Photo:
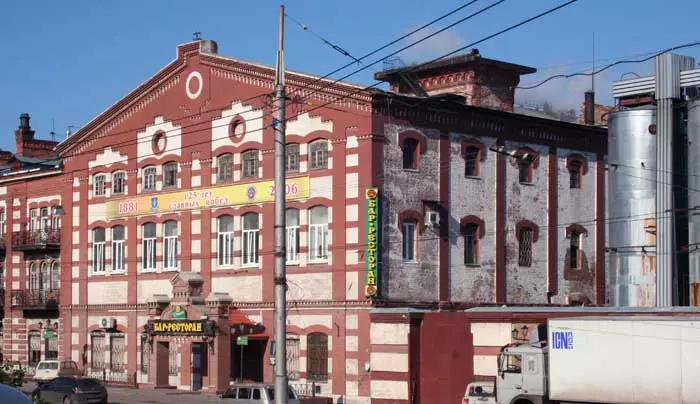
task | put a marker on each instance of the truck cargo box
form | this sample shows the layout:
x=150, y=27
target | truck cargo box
x=625, y=359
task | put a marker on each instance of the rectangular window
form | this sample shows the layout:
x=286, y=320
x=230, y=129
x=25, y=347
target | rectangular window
x=293, y=244
x=575, y=250
x=2, y=222
x=170, y=250
x=118, y=183
x=145, y=355
x=471, y=162
x=149, y=253
x=250, y=164
x=317, y=357
x=293, y=350
x=470, y=246
x=34, y=349
x=118, y=252
x=525, y=247
x=98, y=256
x=224, y=168
x=410, y=154
x=225, y=248
x=318, y=242
x=292, y=152
x=524, y=171
x=172, y=359
x=149, y=179
x=99, y=185
x=116, y=353
x=97, y=351
x=170, y=175
x=318, y=154
x=250, y=247
x=409, y=241
x=575, y=175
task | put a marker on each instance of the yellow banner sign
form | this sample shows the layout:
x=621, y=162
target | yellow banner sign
x=206, y=198
x=177, y=327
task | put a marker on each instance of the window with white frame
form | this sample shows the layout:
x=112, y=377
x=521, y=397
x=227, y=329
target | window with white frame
x=46, y=276
x=250, y=164
x=224, y=168
x=148, y=244
x=318, y=154
x=225, y=251
x=409, y=240
x=98, y=250
x=148, y=180
x=170, y=244
x=98, y=185
x=251, y=234
x=55, y=222
x=55, y=276
x=292, y=221
x=118, y=183
x=170, y=175
x=318, y=233
x=2, y=222
x=34, y=279
x=292, y=156
x=118, y=249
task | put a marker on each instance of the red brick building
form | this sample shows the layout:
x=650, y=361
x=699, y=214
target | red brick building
x=151, y=248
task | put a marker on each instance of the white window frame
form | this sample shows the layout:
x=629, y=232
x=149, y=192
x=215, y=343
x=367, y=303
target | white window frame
x=250, y=241
x=250, y=166
x=118, y=251
x=318, y=238
x=225, y=243
x=148, y=250
x=170, y=169
x=170, y=253
x=318, y=154
x=98, y=185
x=148, y=178
x=292, y=234
x=408, y=237
x=98, y=252
x=224, y=168
x=119, y=179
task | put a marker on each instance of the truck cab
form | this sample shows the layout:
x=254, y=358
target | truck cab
x=522, y=374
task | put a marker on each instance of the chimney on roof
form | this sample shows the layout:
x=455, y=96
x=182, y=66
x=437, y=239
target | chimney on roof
x=27, y=146
x=208, y=46
x=24, y=121
x=589, y=108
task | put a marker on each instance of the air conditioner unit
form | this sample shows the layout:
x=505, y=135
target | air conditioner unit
x=432, y=218
x=108, y=322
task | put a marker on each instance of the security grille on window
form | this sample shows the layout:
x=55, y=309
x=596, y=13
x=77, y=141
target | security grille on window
x=148, y=255
x=118, y=183
x=292, y=221
x=250, y=164
x=98, y=250
x=225, y=251
x=224, y=168
x=292, y=153
x=99, y=185
x=250, y=238
x=145, y=356
x=116, y=353
x=34, y=348
x=97, y=351
x=149, y=179
x=318, y=154
x=409, y=241
x=51, y=348
x=525, y=247
x=318, y=233
x=170, y=244
x=293, y=349
x=118, y=249
x=173, y=349
x=170, y=175
x=317, y=361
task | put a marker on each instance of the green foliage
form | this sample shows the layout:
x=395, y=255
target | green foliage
x=42, y=400
x=11, y=376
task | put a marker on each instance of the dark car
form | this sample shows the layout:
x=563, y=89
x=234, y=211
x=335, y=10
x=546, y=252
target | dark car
x=71, y=390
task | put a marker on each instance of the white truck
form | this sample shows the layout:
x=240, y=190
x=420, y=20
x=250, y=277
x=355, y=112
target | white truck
x=614, y=360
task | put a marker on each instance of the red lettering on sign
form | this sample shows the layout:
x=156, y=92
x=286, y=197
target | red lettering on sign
x=291, y=188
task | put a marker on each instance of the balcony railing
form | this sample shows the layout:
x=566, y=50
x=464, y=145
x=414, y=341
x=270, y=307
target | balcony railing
x=35, y=299
x=36, y=240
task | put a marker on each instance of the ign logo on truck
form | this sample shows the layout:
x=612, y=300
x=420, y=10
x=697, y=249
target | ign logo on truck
x=563, y=340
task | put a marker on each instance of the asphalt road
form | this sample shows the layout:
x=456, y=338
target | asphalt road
x=123, y=395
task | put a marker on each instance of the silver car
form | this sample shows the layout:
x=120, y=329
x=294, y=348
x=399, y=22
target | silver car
x=254, y=393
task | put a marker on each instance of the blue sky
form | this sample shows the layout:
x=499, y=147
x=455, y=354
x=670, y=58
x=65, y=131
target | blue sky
x=67, y=61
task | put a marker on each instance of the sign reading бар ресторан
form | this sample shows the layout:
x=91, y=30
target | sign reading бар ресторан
x=178, y=327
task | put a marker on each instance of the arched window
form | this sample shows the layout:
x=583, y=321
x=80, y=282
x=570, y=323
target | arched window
x=250, y=164
x=98, y=250
x=118, y=183
x=224, y=168
x=292, y=221
x=170, y=244
x=170, y=175
x=575, y=250
x=292, y=153
x=148, y=179
x=408, y=229
x=148, y=245
x=525, y=170
x=318, y=233
x=317, y=357
x=525, y=238
x=225, y=229
x=34, y=278
x=318, y=154
x=575, y=174
x=98, y=185
x=251, y=235
x=45, y=276
x=472, y=160
x=471, y=244
x=118, y=249
x=411, y=154
x=55, y=276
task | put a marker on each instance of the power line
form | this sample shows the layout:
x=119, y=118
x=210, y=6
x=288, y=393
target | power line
x=333, y=46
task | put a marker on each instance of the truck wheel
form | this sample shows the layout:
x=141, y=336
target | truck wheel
x=523, y=402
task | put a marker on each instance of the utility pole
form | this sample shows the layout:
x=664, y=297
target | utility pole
x=280, y=226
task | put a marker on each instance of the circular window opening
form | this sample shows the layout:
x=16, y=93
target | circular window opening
x=237, y=128
x=652, y=129
x=159, y=142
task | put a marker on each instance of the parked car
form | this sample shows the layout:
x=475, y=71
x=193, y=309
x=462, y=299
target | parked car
x=51, y=369
x=71, y=390
x=255, y=393
x=480, y=393
x=10, y=395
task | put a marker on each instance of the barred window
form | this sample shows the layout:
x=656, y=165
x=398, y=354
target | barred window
x=51, y=348
x=317, y=361
x=409, y=240
x=293, y=349
x=116, y=353
x=318, y=154
x=292, y=153
x=34, y=348
x=145, y=355
x=172, y=359
x=525, y=247
x=224, y=168
x=97, y=351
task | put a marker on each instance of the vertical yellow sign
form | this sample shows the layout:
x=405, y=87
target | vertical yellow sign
x=372, y=242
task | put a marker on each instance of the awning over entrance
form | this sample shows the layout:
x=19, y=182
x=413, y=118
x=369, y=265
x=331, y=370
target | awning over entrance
x=241, y=324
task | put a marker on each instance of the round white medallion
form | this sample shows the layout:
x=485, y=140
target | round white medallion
x=198, y=83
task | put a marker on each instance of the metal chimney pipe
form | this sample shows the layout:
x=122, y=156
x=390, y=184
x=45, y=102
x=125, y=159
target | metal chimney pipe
x=589, y=108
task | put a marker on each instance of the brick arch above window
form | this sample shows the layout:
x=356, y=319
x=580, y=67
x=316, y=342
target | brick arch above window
x=473, y=220
x=417, y=136
x=528, y=224
x=467, y=144
x=576, y=228
x=407, y=215
x=521, y=153
x=571, y=159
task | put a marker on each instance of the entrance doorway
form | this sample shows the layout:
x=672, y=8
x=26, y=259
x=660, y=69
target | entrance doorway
x=253, y=356
x=199, y=364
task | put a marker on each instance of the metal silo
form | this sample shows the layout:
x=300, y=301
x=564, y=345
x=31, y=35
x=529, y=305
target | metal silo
x=694, y=200
x=631, y=207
